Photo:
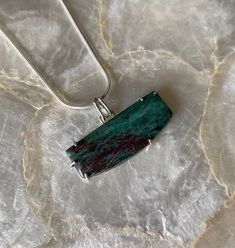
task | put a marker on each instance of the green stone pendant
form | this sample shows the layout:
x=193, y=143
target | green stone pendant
x=120, y=137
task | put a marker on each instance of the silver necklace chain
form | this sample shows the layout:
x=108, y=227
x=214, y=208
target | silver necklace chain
x=97, y=101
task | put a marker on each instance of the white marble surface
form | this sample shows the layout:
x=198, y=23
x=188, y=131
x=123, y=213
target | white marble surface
x=167, y=195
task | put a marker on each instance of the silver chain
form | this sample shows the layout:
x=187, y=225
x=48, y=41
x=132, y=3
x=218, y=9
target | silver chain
x=85, y=41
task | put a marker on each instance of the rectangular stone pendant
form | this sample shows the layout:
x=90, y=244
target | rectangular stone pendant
x=121, y=137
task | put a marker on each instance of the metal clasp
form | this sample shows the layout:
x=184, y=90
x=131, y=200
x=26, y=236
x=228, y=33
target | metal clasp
x=105, y=113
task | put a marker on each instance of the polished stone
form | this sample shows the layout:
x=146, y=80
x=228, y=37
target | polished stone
x=121, y=137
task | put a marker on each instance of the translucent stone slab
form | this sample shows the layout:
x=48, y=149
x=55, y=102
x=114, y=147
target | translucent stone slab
x=200, y=32
x=220, y=229
x=218, y=129
x=17, y=223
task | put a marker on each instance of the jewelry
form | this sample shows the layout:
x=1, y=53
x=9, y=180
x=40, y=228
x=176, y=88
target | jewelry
x=120, y=136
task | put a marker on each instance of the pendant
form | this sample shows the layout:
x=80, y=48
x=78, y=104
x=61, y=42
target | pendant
x=120, y=137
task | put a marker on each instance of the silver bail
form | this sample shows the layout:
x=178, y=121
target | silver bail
x=105, y=113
